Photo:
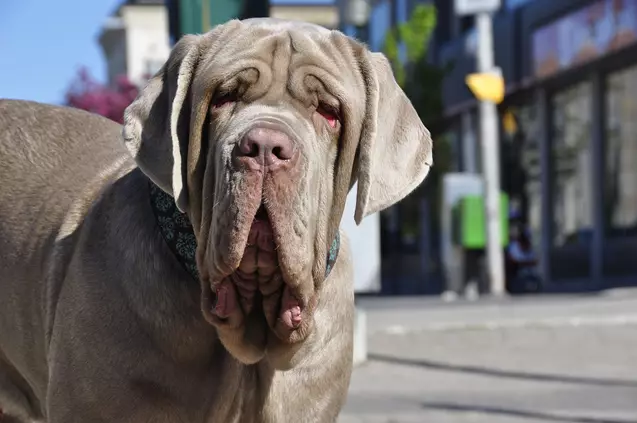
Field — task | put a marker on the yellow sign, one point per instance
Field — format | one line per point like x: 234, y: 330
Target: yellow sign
x: 509, y: 123
x: 486, y: 86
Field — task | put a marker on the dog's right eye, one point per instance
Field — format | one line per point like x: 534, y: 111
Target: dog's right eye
x: 223, y: 99
x: 329, y: 113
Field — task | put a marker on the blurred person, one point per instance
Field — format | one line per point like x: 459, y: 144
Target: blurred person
x: 521, y: 261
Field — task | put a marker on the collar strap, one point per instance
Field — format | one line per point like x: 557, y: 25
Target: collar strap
x: 178, y: 233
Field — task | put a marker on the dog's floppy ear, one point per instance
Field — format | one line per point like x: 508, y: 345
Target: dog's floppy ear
x: 156, y: 124
x: 395, y: 148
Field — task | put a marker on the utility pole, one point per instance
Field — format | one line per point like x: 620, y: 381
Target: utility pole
x: 488, y: 87
x: 490, y: 159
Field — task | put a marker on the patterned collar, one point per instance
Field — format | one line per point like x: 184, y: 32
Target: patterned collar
x: 178, y: 234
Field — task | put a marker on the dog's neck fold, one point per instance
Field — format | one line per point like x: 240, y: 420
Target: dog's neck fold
x: 178, y: 233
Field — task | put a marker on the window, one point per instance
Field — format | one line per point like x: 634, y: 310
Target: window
x: 450, y: 140
x: 466, y: 24
x: 620, y: 173
x: 571, y: 182
x: 572, y: 205
x: 621, y: 152
x: 521, y: 177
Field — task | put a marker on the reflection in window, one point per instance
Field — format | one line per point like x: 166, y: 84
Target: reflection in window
x: 620, y: 174
x: 620, y: 189
x: 521, y: 172
x: 450, y: 139
x: 571, y: 160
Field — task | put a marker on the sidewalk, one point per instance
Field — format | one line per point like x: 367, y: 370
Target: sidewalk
x: 533, y: 360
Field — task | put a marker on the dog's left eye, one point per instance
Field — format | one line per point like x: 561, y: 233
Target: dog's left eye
x: 329, y: 114
x: 223, y: 100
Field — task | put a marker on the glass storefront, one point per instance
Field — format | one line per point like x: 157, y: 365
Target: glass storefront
x: 524, y: 171
x: 571, y: 183
x: 620, y: 174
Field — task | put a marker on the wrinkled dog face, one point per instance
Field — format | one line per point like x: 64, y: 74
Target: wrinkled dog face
x: 259, y: 129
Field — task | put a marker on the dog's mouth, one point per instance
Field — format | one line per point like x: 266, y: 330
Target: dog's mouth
x: 256, y: 288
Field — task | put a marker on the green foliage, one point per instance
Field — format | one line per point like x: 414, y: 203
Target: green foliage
x: 422, y: 82
x: 419, y: 28
x: 390, y: 48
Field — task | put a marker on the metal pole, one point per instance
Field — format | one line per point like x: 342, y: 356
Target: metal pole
x: 490, y: 160
x: 205, y: 15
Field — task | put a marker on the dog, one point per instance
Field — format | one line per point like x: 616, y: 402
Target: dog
x: 188, y: 266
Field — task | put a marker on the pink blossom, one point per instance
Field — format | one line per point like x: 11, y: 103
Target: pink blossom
x: 87, y: 94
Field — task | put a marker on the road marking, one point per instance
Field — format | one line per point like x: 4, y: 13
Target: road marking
x: 553, y: 322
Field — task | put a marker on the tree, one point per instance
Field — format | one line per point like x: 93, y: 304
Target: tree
x: 87, y: 94
x: 422, y: 82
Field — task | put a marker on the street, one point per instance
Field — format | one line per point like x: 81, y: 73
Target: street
x: 531, y: 360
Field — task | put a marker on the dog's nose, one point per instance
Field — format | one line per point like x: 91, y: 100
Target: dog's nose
x: 266, y: 146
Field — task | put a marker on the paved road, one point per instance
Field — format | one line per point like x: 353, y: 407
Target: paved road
x: 538, y: 360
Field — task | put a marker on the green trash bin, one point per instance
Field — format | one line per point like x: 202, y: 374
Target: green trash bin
x: 469, y: 234
x: 469, y: 222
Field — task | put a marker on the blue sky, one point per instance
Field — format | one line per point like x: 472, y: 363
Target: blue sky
x: 44, y: 42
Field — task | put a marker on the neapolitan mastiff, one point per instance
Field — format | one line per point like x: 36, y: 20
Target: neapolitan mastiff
x: 195, y: 272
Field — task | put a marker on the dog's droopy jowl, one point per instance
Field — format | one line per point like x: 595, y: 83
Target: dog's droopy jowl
x: 188, y: 266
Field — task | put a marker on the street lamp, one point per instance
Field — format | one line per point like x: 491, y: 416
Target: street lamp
x: 354, y: 14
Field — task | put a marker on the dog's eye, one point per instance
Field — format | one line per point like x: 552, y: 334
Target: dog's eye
x: 223, y: 99
x: 329, y: 114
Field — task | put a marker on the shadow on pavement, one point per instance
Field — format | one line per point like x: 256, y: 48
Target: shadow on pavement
x: 504, y: 373
x: 538, y: 415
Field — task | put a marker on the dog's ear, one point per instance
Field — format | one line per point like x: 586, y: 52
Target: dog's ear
x: 395, y: 148
x: 156, y: 124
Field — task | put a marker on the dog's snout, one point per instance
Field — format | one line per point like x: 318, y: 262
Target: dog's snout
x: 266, y: 146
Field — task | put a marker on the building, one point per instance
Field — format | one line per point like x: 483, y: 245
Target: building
x: 570, y: 167
x: 324, y: 13
x: 135, y: 40
x: 197, y: 16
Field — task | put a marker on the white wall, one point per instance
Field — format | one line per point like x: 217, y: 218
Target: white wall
x: 147, y: 39
x: 365, y: 246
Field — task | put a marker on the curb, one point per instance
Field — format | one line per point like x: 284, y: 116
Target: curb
x: 555, y: 322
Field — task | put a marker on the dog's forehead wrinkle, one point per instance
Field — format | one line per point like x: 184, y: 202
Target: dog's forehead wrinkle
x: 280, y: 48
x: 281, y: 58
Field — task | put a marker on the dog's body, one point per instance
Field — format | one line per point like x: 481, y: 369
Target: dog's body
x: 100, y: 322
